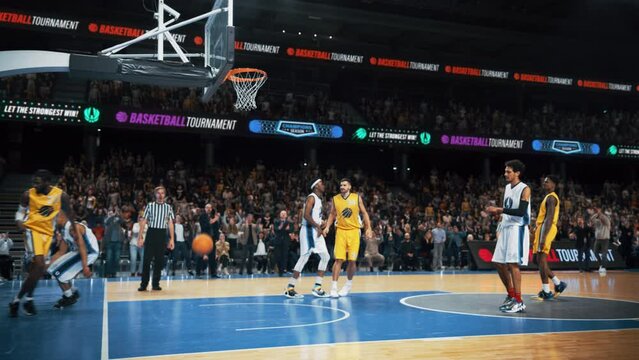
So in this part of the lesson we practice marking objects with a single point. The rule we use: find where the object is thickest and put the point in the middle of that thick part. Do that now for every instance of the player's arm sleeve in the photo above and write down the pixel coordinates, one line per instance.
(520, 211)
(523, 204)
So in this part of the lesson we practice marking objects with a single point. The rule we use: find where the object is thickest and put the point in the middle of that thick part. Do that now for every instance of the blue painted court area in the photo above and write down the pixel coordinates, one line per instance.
(164, 327)
(53, 334)
(145, 328)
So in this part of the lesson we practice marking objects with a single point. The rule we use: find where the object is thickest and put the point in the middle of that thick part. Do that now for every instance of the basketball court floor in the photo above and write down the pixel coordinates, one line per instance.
(425, 315)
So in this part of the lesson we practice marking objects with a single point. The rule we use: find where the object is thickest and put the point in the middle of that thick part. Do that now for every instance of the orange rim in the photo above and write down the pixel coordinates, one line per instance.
(231, 75)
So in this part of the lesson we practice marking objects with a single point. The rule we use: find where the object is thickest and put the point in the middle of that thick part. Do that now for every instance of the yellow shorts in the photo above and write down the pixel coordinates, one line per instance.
(544, 246)
(38, 243)
(346, 241)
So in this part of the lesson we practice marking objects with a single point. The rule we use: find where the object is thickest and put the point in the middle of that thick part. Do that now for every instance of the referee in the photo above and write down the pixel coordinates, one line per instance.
(158, 215)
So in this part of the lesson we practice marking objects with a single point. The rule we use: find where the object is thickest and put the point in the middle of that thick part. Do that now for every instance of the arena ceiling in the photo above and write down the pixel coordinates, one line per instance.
(593, 37)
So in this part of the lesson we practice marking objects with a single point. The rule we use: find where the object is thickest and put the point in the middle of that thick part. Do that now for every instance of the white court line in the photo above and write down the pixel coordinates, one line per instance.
(344, 317)
(433, 339)
(105, 324)
(403, 302)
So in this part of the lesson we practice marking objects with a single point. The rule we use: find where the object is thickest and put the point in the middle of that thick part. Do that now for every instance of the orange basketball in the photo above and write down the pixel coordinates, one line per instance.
(202, 244)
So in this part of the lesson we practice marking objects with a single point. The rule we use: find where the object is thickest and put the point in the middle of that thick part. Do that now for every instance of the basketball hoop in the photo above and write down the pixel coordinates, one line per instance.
(246, 82)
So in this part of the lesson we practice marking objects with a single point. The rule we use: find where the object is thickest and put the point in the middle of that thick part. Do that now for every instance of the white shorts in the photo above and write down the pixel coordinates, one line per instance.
(69, 265)
(513, 244)
(311, 242)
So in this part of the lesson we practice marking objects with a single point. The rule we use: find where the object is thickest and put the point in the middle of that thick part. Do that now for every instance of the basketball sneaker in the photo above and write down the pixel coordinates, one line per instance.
(76, 294)
(292, 294)
(13, 309)
(345, 291)
(542, 295)
(29, 308)
(334, 293)
(507, 302)
(560, 288)
(65, 302)
(319, 292)
(515, 307)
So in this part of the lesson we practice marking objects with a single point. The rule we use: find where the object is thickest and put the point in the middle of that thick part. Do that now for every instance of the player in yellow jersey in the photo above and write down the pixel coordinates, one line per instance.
(36, 215)
(346, 207)
(545, 232)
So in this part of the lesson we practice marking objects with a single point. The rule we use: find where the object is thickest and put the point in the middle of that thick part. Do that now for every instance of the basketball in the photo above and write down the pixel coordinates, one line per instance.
(202, 244)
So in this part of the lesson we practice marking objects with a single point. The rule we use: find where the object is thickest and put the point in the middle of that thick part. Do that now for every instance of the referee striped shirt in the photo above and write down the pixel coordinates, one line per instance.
(158, 215)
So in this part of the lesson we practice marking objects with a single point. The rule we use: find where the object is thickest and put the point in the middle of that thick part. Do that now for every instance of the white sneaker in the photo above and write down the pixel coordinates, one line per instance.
(334, 293)
(345, 290)
(602, 269)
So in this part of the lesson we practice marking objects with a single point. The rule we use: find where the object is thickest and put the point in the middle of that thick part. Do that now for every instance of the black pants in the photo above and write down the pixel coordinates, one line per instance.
(246, 257)
(200, 264)
(281, 257)
(601, 251)
(6, 266)
(583, 254)
(409, 262)
(261, 263)
(454, 252)
(154, 246)
(224, 260)
(180, 252)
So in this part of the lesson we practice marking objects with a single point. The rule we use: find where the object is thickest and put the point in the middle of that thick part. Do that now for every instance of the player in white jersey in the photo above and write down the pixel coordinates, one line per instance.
(311, 241)
(72, 258)
(513, 240)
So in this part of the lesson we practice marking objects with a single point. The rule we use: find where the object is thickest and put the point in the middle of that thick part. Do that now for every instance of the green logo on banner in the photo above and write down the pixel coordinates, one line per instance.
(612, 150)
(91, 114)
(424, 138)
(360, 134)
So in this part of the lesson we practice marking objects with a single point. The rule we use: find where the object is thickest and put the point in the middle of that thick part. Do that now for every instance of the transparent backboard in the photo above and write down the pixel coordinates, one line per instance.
(219, 45)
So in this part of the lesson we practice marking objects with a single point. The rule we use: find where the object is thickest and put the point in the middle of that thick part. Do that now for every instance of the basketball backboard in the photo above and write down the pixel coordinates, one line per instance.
(219, 45)
(153, 69)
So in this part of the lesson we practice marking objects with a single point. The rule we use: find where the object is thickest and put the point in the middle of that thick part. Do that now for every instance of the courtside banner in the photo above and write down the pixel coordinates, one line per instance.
(174, 121)
(563, 256)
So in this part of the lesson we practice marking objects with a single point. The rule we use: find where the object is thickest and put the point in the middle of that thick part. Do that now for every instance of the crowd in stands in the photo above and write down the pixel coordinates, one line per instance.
(386, 111)
(540, 122)
(408, 221)
(27, 87)
(390, 112)
(543, 121)
(314, 105)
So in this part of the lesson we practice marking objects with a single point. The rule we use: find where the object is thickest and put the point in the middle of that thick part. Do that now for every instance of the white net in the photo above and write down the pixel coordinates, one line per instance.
(246, 83)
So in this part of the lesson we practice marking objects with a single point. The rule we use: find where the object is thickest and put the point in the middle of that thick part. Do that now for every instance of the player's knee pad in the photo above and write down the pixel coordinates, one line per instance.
(301, 262)
(324, 259)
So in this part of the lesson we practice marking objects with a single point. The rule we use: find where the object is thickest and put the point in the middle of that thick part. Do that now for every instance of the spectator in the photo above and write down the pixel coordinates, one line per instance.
(282, 242)
(6, 261)
(372, 256)
(222, 248)
(601, 224)
(407, 254)
(247, 243)
(179, 253)
(113, 240)
(583, 237)
(136, 253)
(455, 241)
(260, 254)
(439, 240)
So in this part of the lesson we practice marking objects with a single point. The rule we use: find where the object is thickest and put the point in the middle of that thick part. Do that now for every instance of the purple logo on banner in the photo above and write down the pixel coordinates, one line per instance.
(121, 116)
